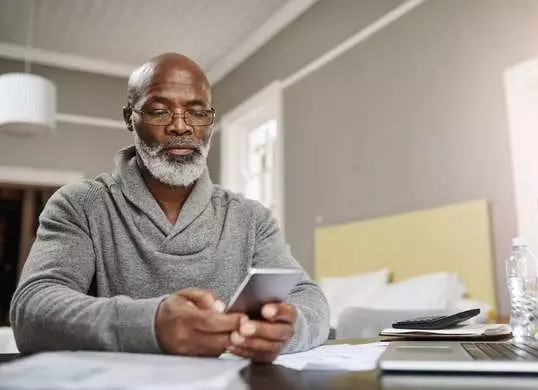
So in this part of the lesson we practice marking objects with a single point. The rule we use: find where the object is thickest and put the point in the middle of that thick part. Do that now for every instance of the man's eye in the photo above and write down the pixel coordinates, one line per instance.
(157, 112)
(199, 114)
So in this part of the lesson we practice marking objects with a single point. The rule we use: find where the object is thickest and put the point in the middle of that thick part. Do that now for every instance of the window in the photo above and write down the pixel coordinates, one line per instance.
(521, 87)
(252, 155)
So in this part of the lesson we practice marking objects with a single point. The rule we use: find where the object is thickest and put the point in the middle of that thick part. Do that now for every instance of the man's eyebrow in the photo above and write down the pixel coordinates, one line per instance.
(197, 102)
(168, 102)
(159, 99)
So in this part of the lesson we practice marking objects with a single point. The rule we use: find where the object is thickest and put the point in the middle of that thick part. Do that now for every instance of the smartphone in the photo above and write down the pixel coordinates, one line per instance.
(261, 286)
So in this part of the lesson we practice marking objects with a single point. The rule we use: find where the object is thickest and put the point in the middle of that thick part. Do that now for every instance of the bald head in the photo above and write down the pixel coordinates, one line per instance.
(168, 68)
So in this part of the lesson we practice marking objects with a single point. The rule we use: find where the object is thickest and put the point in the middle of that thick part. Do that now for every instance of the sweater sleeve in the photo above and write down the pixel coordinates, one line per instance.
(51, 310)
(312, 324)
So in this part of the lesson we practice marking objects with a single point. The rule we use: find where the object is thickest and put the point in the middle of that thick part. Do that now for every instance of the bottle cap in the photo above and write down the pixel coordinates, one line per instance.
(519, 241)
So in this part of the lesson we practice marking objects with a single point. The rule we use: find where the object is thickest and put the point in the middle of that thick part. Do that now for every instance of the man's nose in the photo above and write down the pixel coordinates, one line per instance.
(178, 125)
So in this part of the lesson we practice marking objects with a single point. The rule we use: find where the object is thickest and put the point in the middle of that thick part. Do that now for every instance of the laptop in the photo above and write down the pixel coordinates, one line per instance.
(497, 357)
(452, 381)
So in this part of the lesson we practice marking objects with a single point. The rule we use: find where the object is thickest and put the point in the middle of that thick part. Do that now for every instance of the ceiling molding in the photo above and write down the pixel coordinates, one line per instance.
(66, 61)
(90, 121)
(284, 16)
(357, 38)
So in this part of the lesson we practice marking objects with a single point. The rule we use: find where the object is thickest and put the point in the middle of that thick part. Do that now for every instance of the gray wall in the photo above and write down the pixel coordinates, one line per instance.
(412, 118)
(90, 150)
(311, 35)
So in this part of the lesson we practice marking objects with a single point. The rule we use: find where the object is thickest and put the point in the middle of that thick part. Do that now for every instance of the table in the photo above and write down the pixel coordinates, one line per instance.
(269, 377)
(273, 377)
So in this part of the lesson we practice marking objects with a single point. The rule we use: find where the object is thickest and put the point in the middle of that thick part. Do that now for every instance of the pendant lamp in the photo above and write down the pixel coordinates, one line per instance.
(27, 101)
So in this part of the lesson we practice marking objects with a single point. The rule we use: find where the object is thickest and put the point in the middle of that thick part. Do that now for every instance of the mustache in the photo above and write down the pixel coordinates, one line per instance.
(181, 142)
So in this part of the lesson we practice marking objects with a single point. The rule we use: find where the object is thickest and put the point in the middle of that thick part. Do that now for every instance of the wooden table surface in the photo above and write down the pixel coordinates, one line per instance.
(274, 377)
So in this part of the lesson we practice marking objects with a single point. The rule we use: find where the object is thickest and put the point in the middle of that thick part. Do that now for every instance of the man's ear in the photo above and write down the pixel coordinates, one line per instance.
(127, 112)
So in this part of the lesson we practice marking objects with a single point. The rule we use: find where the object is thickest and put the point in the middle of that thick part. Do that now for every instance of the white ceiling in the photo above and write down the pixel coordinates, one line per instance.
(114, 36)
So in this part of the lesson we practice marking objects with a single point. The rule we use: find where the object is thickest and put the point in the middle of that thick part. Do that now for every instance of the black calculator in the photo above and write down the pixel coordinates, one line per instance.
(436, 322)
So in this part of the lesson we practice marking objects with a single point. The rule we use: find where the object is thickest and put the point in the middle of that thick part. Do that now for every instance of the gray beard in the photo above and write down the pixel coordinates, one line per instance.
(179, 172)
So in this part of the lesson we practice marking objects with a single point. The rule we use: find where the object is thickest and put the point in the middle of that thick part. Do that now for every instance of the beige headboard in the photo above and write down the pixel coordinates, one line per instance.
(454, 238)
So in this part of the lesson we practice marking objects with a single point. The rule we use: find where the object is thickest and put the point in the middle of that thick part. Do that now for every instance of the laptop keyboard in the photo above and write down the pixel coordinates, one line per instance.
(502, 351)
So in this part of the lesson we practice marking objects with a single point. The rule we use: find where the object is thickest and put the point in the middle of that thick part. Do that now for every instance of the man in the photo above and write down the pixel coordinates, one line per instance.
(159, 245)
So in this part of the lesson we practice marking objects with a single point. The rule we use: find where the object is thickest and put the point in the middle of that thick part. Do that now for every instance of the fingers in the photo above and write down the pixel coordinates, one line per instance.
(262, 341)
(281, 312)
(210, 322)
(195, 343)
(202, 315)
(204, 299)
(274, 331)
(255, 356)
(207, 330)
(256, 344)
(187, 324)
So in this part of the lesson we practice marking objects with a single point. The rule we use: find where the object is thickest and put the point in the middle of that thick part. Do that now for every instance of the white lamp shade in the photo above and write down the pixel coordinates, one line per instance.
(27, 104)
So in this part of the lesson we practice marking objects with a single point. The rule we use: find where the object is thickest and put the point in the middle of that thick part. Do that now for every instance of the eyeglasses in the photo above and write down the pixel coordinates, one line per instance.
(164, 117)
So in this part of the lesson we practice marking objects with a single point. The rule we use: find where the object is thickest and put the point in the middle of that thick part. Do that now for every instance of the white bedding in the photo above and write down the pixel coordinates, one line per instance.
(435, 292)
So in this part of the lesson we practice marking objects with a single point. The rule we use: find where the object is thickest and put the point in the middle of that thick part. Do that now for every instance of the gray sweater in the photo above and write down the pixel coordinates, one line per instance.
(111, 236)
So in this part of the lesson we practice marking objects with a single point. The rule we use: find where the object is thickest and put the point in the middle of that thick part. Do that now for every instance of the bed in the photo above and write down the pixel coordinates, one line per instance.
(453, 239)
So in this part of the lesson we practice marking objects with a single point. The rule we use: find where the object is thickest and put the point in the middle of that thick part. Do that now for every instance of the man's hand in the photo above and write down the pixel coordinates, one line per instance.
(262, 341)
(191, 322)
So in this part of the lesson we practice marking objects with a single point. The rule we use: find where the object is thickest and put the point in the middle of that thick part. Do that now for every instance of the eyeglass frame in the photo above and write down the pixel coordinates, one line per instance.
(174, 114)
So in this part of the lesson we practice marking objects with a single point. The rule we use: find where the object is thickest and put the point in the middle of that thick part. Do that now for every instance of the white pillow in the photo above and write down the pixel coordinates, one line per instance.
(355, 290)
(425, 292)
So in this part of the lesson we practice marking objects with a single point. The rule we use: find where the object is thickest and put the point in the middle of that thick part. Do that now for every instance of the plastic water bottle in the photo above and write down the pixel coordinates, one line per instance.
(522, 278)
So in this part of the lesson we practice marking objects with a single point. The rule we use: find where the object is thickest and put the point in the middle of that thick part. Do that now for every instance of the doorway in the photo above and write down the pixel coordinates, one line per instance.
(23, 195)
(20, 208)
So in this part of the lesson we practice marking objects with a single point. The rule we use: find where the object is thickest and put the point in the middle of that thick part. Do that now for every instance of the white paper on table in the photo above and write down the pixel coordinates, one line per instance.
(107, 370)
(461, 330)
(362, 357)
